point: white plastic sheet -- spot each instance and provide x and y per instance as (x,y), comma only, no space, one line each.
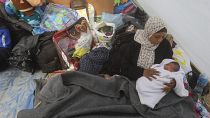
(189,22)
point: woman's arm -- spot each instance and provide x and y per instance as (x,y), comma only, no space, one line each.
(164,51)
(167,52)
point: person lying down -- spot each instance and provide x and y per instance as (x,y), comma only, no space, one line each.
(150,92)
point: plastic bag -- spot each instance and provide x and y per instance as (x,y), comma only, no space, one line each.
(83,45)
(58,17)
(180,56)
(112,18)
(104,33)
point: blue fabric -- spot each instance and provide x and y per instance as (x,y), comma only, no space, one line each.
(112,18)
(38,30)
(201,83)
(93,61)
(10,9)
(34,20)
(118,9)
(16,91)
(5,39)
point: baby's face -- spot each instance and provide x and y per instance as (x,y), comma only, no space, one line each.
(170,67)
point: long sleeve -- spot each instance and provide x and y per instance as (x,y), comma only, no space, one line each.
(164,51)
(129,66)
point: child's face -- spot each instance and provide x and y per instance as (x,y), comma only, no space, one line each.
(170,67)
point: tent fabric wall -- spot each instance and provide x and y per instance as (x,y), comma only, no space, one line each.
(189,22)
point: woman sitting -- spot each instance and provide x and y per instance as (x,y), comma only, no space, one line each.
(149,47)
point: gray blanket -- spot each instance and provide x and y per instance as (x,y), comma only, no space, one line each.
(81,95)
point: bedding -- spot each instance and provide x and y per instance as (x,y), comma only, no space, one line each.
(16,91)
(81,95)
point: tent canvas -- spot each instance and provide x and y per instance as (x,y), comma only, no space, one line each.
(189,22)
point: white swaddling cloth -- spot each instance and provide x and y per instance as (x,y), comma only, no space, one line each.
(150,92)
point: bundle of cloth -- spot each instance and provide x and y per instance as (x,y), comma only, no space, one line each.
(151,91)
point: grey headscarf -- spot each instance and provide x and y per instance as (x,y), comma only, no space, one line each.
(147,53)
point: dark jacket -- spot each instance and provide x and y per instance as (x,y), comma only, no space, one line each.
(4,55)
(120,43)
(129,66)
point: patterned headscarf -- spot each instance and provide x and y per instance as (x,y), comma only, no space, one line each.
(147,53)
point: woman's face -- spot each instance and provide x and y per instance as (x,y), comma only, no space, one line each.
(156,38)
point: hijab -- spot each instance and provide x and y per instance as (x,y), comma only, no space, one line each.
(147,53)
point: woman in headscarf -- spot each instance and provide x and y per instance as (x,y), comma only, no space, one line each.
(149,47)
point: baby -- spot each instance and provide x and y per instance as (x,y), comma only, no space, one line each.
(151,92)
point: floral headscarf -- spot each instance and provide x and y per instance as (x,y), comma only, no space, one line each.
(147,53)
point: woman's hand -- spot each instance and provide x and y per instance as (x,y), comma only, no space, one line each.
(149,73)
(169,86)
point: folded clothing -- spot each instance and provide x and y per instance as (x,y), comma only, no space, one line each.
(93,61)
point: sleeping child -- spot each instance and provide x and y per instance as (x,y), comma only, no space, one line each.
(151,91)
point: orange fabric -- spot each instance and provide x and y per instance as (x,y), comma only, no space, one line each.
(35,2)
(23,6)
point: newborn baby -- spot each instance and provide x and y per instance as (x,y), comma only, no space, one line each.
(151,92)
